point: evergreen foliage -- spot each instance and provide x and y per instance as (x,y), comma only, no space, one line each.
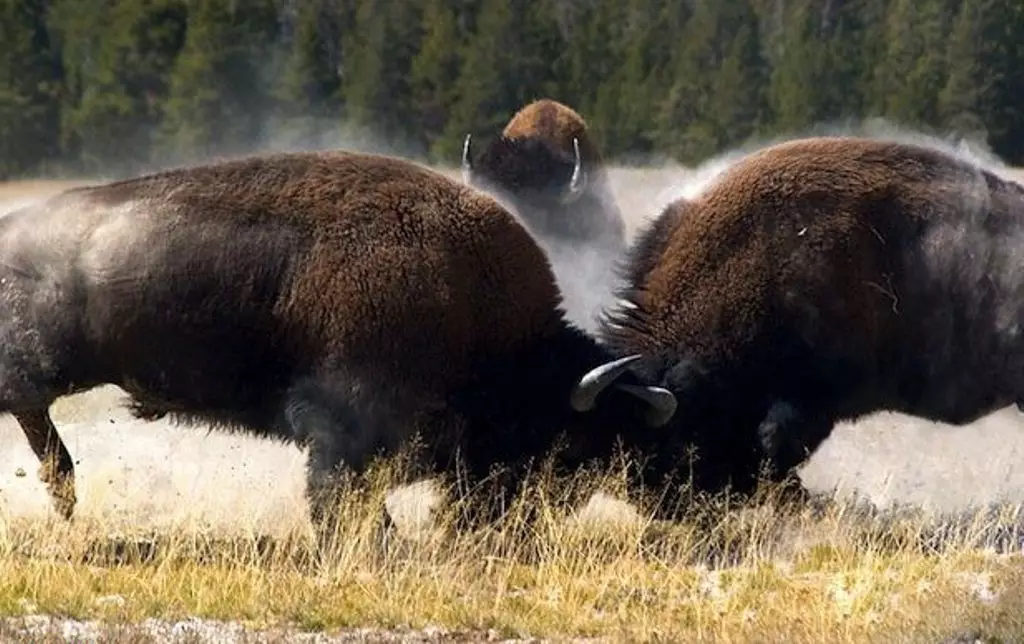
(118,86)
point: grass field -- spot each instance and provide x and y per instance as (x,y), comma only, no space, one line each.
(745,576)
(175,523)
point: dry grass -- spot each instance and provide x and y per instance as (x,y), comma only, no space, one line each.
(824,573)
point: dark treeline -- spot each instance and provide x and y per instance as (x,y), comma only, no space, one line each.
(116,86)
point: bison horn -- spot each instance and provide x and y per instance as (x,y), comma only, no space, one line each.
(597,380)
(467,165)
(579,179)
(662,401)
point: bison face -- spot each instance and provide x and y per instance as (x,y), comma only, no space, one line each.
(694,412)
(661,403)
(540,182)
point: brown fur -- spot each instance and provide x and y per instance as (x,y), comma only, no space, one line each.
(744,231)
(821,278)
(343,300)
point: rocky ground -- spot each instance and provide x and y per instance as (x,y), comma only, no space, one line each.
(41,628)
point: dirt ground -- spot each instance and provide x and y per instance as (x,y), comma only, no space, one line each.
(157,473)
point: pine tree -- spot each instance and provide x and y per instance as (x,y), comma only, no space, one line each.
(375,86)
(483,97)
(30,74)
(823,50)
(739,88)
(308,88)
(717,99)
(591,58)
(602,70)
(434,72)
(122,80)
(961,102)
(909,77)
(217,99)
(795,88)
(986,79)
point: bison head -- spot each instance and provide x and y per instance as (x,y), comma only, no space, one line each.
(528,167)
(708,435)
(551,190)
(661,401)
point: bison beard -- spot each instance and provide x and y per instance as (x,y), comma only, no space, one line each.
(820,280)
(344,301)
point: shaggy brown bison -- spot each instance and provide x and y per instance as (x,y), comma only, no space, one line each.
(547,167)
(824,279)
(344,301)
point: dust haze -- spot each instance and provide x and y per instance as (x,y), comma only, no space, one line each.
(154,474)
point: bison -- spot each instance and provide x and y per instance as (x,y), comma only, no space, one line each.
(547,167)
(548,170)
(818,280)
(342,301)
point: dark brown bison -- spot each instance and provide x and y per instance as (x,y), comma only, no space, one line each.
(344,301)
(546,166)
(824,279)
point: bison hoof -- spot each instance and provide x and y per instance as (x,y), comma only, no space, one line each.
(64,500)
(146,411)
(61,489)
(65,506)
(775,429)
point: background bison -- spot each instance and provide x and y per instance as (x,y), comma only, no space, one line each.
(345,301)
(546,167)
(824,279)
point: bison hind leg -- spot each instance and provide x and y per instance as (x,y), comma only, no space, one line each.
(57,470)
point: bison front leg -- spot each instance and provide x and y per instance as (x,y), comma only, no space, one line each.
(789,436)
(341,442)
(56,467)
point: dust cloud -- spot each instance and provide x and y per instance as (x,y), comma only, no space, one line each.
(156,474)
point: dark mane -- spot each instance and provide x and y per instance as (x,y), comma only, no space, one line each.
(525,164)
(628,314)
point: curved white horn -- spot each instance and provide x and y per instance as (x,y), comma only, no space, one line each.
(467,165)
(577,171)
(578,182)
(662,401)
(597,380)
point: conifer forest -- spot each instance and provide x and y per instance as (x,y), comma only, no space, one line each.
(122,86)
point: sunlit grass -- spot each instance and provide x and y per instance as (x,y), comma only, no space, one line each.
(768,573)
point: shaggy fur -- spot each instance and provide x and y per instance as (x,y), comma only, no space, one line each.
(824,279)
(530,166)
(344,301)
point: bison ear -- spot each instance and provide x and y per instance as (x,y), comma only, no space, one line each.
(467,164)
(578,182)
